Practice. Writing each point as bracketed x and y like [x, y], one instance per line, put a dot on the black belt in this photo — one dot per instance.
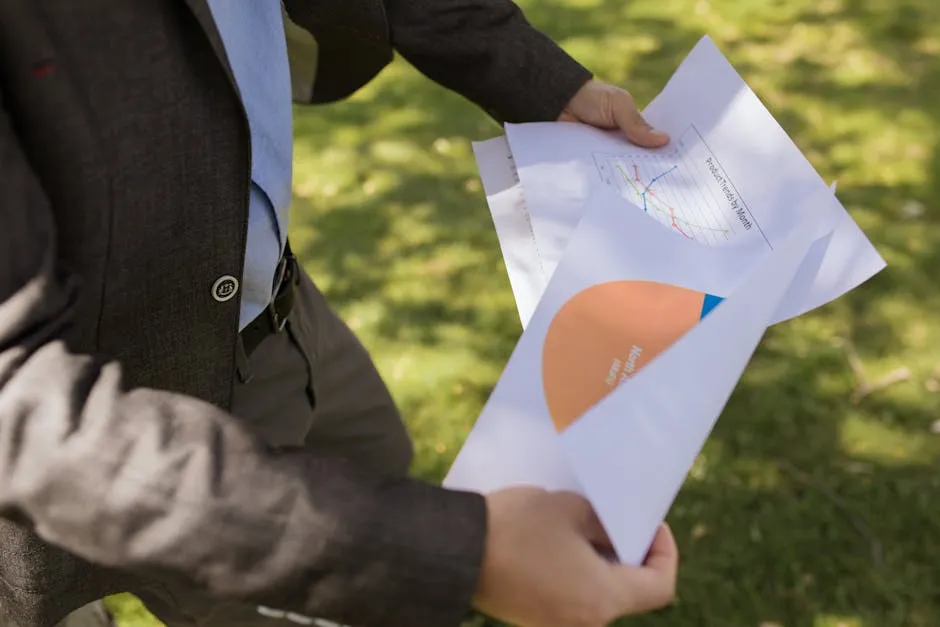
[274, 316]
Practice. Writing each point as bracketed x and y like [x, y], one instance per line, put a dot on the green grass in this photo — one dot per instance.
[807, 508]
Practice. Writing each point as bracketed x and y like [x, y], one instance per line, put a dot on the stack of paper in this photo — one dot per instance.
[645, 280]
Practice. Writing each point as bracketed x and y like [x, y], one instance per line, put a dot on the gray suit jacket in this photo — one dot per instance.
[124, 174]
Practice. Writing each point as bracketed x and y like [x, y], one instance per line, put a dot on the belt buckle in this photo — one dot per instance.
[284, 268]
[276, 320]
[279, 274]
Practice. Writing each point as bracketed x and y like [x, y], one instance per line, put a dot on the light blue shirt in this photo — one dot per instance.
[253, 34]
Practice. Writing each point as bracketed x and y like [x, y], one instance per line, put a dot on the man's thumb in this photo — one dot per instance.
[652, 585]
[634, 126]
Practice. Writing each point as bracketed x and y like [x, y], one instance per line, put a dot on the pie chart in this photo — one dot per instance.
[607, 333]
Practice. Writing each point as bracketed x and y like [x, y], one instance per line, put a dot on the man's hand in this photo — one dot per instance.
[542, 567]
[608, 107]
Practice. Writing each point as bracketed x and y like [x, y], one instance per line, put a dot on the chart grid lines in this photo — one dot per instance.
[686, 189]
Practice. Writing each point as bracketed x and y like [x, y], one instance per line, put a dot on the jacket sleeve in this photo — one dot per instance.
[487, 51]
[173, 488]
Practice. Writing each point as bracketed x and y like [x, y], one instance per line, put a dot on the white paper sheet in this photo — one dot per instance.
[530, 433]
[506, 202]
[730, 176]
[645, 280]
[633, 450]
[527, 276]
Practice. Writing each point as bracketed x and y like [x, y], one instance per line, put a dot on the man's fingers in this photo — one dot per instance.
[595, 532]
[581, 513]
[634, 126]
[577, 510]
[638, 590]
[653, 585]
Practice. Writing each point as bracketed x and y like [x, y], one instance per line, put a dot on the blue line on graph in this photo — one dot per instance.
[653, 180]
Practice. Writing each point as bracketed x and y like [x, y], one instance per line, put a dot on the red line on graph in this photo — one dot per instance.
[672, 212]
[675, 225]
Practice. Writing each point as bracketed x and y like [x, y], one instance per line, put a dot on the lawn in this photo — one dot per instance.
[815, 503]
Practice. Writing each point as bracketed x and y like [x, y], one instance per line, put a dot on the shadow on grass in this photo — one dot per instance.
[805, 509]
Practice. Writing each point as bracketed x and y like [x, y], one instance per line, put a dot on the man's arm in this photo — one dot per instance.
[170, 486]
[488, 52]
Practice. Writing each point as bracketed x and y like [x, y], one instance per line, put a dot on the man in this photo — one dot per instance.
[182, 416]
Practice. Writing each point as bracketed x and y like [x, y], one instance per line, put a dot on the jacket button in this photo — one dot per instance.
[224, 288]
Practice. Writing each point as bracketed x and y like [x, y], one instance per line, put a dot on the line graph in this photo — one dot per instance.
[684, 188]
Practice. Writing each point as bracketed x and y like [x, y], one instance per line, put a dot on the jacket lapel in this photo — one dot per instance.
[200, 9]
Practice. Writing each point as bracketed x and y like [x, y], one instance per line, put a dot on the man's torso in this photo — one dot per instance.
[137, 133]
